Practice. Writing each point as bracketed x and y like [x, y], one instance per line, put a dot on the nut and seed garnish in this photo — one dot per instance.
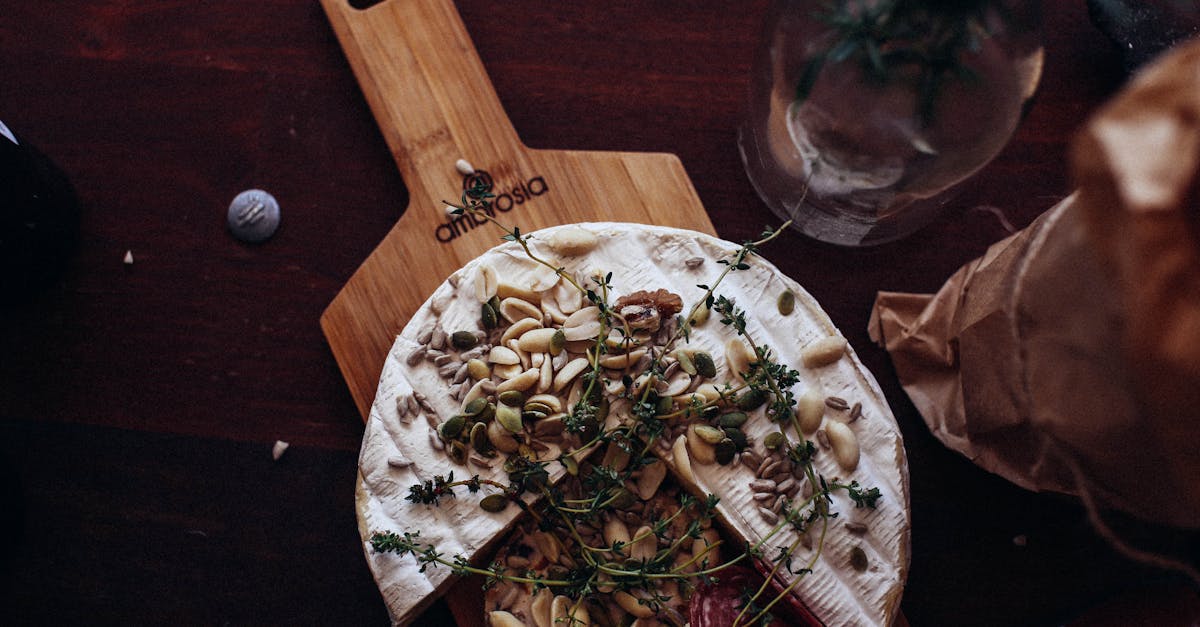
[836, 402]
[599, 391]
[856, 528]
[858, 559]
[786, 303]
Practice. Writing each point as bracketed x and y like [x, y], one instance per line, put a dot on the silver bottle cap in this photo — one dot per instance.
[253, 216]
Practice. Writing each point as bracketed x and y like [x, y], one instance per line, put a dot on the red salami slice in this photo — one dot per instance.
[720, 603]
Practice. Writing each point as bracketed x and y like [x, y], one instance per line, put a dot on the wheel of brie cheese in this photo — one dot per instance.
[631, 410]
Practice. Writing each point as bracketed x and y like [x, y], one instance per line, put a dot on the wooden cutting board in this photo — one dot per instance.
[432, 98]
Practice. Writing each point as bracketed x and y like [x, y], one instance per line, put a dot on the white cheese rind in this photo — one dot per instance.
[642, 257]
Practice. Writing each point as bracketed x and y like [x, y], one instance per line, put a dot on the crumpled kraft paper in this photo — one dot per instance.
[1067, 357]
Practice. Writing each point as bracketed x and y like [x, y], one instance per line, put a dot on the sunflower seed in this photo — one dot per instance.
[768, 515]
[762, 485]
[398, 461]
[693, 262]
[438, 341]
[440, 301]
[426, 335]
[836, 402]
[856, 528]
[823, 438]
[423, 401]
[416, 356]
[785, 485]
[474, 353]
[762, 497]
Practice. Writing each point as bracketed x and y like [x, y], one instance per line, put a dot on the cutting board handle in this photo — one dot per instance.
[427, 88]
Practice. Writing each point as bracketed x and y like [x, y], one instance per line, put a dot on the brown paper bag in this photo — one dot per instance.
[1067, 358]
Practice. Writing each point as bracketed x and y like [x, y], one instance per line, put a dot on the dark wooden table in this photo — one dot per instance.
[139, 403]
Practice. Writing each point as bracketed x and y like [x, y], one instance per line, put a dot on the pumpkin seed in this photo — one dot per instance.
[509, 417]
[452, 427]
[787, 302]
[478, 369]
[488, 316]
[479, 438]
[774, 440]
[732, 419]
[738, 437]
[512, 398]
[475, 406]
[457, 451]
[463, 340]
[724, 451]
[538, 407]
[685, 362]
[494, 503]
[533, 415]
[710, 434]
[751, 400]
[571, 466]
[665, 405]
[557, 342]
[501, 438]
[705, 366]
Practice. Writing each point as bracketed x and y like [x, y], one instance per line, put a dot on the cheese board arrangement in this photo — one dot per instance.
[611, 386]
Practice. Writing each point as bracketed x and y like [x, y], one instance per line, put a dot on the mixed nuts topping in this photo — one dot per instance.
[611, 392]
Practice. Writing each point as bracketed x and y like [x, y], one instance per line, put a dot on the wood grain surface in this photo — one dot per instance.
[435, 106]
[139, 403]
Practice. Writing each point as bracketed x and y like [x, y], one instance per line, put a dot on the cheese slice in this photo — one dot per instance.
[401, 448]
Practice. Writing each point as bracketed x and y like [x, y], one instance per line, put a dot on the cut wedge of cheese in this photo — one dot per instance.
[454, 350]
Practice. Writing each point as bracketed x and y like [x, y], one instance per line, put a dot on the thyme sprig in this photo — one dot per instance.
[431, 491]
[593, 489]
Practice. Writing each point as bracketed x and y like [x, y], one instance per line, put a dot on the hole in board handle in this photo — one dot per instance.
[363, 4]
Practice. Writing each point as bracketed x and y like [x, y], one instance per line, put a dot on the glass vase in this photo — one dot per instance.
[864, 115]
